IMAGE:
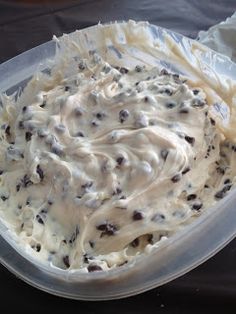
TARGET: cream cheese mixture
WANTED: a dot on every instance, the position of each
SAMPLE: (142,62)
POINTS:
(105,164)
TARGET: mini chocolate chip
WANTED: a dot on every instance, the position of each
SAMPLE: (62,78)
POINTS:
(195,91)
(8,130)
(107,229)
(136,84)
(87,185)
(220,170)
(120,160)
(24,109)
(50,202)
(197,206)
(26,181)
(123,70)
(123,197)
(191,197)
(74,235)
(138,68)
(164,153)
(94,267)
(40,172)
(43,104)
(66,261)
(123,115)
(167,91)
(212,121)
(21,125)
(135,242)
(81,65)
(187,169)
(146,99)
(184,111)
(39,219)
(159,218)
(80,134)
(4,198)
(206,186)
(176,178)
(94,123)
(189,139)
(1,172)
(38,247)
(91,243)
(137,215)
(100,115)
(28,136)
(67,88)
(170,105)
(227,181)
(164,72)
(18,187)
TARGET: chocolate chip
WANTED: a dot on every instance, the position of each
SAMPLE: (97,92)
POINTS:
(164,153)
(167,91)
(28,201)
(120,160)
(87,185)
(4,198)
(8,130)
(135,242)
(123,115)
(184,111)
(67,88)
(81,65)
(117,191)
(195,91)
(100,115)
(146,99)
(43,104)
(74,235)
(94,267)
(24,109)
(189,139)
(80,134)
(187,169)
(92,244)
(170,105)
(227,181)
(222,193)
(212,121)
(164,72)
(94,123)
(197,206)
(21,125)
(39,219)
(18,187)
(123,70)
(66,261)
(38,247)
(159,218)
(107,229)
(28,136)
(206,186)
(137,215)
(40,172)
(220,170)
(191,197)
(138,68)
(176,178)
(26,182)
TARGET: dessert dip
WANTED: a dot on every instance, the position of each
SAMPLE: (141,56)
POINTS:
(104,164)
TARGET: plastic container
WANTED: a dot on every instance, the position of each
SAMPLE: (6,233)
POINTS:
(173,257)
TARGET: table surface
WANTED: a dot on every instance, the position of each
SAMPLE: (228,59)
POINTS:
(211,287)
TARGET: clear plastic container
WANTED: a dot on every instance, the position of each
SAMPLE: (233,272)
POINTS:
(173,257)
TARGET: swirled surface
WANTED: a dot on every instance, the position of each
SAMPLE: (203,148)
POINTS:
(103,165)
